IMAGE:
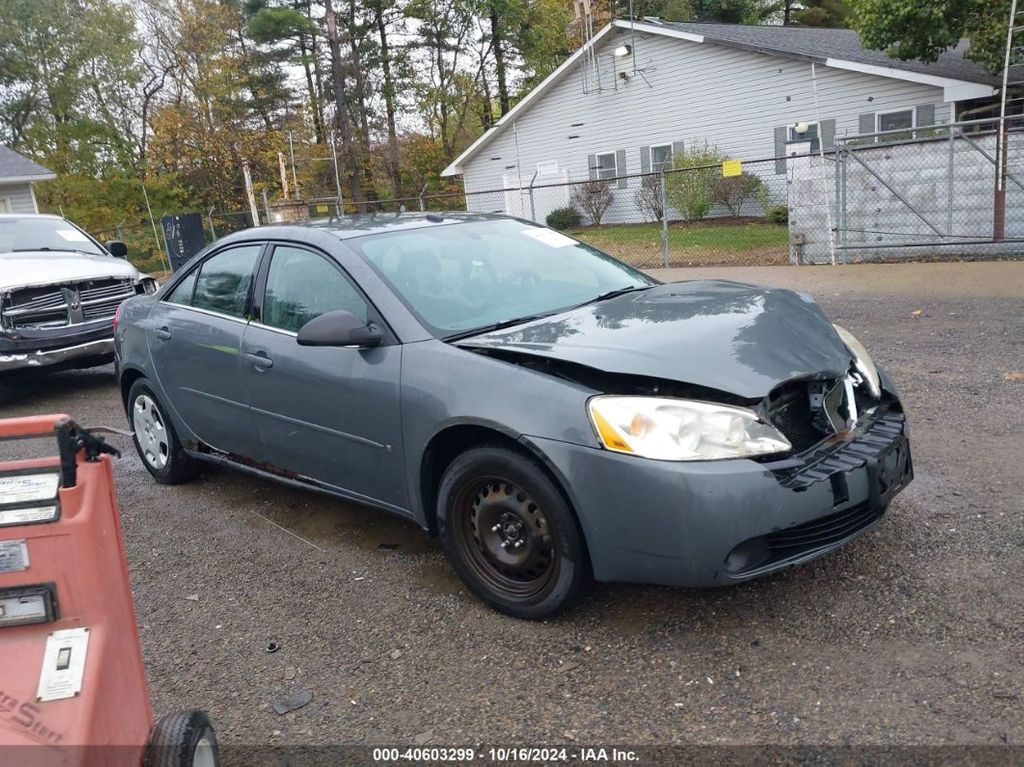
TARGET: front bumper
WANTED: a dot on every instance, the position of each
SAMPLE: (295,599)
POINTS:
(711,523)
(89,352)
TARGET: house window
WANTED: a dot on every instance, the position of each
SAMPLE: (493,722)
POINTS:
(902,120)
(811,134)
(661,158)
(5,205)
(606,166)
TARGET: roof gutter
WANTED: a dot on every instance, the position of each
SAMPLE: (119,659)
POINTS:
(4,180)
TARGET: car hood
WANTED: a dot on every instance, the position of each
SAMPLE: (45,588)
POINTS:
(723,335)
(30,268)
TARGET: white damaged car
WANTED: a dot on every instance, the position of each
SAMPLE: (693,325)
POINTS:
(59,291)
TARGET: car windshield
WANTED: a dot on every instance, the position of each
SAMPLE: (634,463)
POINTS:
(473,276)
(18,233)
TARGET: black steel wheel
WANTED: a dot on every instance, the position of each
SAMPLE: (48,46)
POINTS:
(510,534)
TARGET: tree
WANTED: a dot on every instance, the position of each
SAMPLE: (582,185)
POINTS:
(648,198)
(910,29)
(688,186)
(734,191)
(822,13)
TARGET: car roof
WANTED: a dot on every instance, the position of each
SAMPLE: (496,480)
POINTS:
(361,225)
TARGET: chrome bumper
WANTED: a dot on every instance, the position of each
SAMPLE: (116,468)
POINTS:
(41,358)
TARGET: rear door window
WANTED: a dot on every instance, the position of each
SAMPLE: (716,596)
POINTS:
(224,281)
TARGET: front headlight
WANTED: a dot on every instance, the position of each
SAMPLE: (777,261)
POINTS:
(680,429)
(862,361)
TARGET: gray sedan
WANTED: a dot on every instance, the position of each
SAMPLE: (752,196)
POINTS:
(553,415)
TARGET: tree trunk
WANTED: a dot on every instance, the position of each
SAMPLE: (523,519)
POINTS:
(497,43)
(314,99)
(361,108)
(352,171)
(388,92)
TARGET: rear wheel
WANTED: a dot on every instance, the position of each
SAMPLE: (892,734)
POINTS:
(155,439)
(510,535)
(185,739)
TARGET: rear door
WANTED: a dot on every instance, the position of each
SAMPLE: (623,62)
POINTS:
(195,338)
(327,413)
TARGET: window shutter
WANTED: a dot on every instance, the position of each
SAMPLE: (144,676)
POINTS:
(828,135)
(592,166)
(925,115)
(867,123)
(781,133)
(620,168)
(645,159)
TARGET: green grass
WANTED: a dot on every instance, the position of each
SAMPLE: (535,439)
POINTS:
(704,243)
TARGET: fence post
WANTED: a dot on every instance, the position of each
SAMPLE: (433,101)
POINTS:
(664,222)
(213,229)
(533,208)
(423,191)
(949,184)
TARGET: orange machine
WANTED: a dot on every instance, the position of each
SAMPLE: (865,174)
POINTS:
(72,682)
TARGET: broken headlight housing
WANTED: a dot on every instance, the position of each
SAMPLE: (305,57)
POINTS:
(862,361)
(681,430)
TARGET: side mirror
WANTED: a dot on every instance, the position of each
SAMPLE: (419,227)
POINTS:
(340,328)
(117,248)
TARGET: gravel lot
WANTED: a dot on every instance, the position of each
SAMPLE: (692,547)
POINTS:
(912,635)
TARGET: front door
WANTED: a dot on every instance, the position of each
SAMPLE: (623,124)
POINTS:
(195,338)
(327,413)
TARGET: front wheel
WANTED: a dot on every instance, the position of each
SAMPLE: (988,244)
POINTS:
(510,534)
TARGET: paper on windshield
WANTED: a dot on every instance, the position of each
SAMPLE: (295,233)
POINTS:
(72,235)
(549,237)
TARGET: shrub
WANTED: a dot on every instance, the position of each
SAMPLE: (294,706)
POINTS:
(735,191)
(688,187)
(594,198)
(648,198)
(564,218)
(778,214)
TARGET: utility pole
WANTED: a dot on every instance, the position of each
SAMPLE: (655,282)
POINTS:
(249,193)
(999,206)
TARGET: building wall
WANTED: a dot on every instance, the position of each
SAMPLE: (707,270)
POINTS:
(18,198)
(685,92)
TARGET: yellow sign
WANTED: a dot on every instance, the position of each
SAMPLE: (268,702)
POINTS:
(732,168)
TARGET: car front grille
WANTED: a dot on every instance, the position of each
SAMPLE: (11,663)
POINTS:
(797,542)
(65,305)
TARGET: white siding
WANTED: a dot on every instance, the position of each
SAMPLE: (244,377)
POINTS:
(687,92)
(19,198)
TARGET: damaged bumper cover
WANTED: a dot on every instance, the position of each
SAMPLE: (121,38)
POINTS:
(712,523)
(88,344)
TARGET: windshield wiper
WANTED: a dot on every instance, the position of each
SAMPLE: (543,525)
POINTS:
(613,294)
(494,326)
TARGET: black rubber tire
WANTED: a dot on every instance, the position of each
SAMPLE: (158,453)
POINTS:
(180,466)
(176,738)
(572,579)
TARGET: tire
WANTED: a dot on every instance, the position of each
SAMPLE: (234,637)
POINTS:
(184,739)
(510,534)
(155,439)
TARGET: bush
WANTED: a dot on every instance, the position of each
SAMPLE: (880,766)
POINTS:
(648,198)
(688,187)
(594,197)
(564,218)
(735,191)
(778,214)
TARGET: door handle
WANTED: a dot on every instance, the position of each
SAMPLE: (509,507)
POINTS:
(163,333)
(260,360)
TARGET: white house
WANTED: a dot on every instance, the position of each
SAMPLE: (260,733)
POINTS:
(627,101)
(17,176)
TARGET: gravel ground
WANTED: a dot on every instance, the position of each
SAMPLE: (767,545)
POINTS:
(913,634)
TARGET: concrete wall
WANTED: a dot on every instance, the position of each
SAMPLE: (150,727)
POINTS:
(918,200)
(18,198)
(685,92)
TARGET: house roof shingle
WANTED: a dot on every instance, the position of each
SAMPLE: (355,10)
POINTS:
(14,165)
(820,44)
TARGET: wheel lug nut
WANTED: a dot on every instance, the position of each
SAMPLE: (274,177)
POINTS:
(519,544)
(496,528)
(504,544)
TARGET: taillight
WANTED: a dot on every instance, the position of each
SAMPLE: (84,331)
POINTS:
(117,316)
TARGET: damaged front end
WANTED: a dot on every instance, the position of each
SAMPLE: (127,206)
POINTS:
(66,324)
